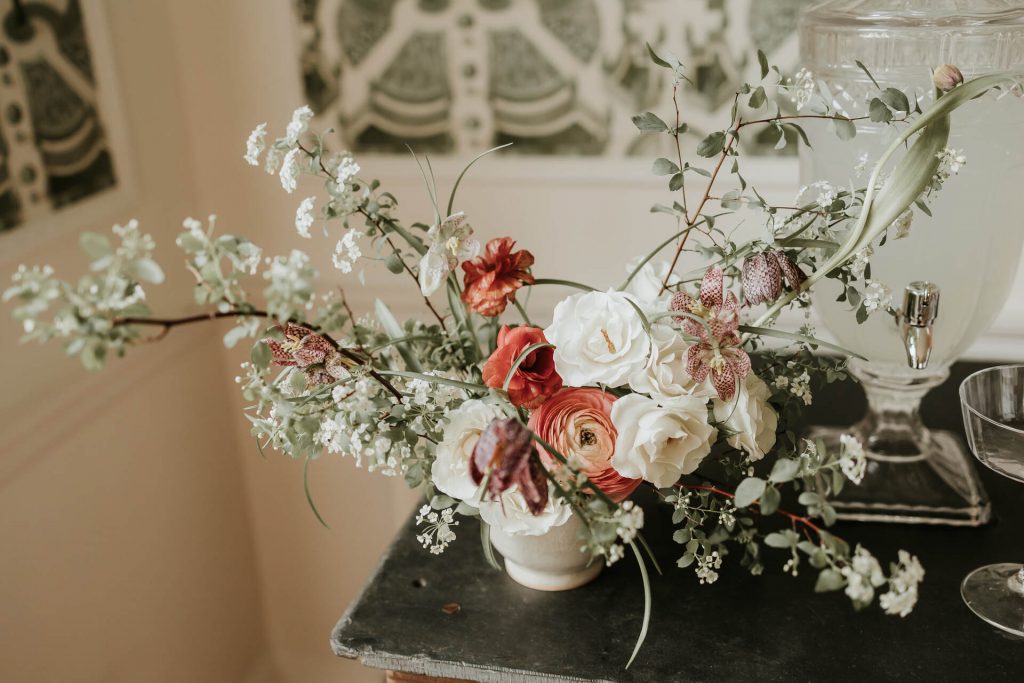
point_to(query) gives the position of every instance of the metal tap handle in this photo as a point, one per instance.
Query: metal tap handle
(917, 316)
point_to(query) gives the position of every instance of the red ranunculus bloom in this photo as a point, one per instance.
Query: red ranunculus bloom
(578, 424)
(535, 379)
(491, 280)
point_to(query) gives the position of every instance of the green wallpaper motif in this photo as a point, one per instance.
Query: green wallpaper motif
(553, 76)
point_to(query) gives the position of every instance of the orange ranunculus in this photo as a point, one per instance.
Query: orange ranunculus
(535, 379)
(491, 280)
(578, 424)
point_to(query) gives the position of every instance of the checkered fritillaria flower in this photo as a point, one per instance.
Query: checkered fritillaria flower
(713, 318)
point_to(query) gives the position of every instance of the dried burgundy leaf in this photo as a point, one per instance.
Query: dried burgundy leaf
(504, 454)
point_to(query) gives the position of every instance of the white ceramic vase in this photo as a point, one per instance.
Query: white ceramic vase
(551, 561)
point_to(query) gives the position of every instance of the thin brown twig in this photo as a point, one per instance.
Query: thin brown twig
(169, 323)
(700, 207)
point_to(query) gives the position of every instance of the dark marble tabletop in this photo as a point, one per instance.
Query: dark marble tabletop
(772, 627)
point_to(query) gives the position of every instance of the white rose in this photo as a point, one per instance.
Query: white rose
(665, 375)
(598, 338)
(450, 471)
(660, 443)
(750, 416)
(646, 285)
(510, 515)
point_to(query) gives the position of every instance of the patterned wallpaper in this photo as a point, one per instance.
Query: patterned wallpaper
(553, 76)
(53, 148)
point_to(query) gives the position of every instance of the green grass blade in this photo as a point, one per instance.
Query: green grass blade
(309, 496)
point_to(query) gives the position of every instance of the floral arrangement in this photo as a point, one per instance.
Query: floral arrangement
(645, 383)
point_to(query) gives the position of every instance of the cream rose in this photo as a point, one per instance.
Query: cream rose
(510, 515)
(750, 416)
(598, 338)
(450, 471)
(646, 285)
(660, 442)
(665, 375)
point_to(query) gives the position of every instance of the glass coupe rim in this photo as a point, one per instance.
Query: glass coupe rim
(967, 406)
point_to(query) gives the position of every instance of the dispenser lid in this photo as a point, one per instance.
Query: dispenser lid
(976, 35)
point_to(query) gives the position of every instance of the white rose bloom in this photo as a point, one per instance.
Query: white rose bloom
(646, 285)
(511, 516)
(598, 338)
(750, 415)
(665, 375)
(660, 443)
(450, 471)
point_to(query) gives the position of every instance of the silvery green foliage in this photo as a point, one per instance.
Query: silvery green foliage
(84, 315)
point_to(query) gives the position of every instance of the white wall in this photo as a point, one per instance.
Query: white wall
(127, 551)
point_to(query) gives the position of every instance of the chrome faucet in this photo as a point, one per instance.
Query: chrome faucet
(916, 317)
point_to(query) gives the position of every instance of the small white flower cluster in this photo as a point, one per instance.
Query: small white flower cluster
(290, 284)
(902, 224)
(852, 460)
(347, 251)
(801, 88)
(950, 162)
(284, 156)
(876, 296)
(356, 428)
(706, 567)
(627, 520)
(903, 582)
(438, 531)
(863, 575)
(862, 165)
(860, 261)
(204, 248)
(304, 217)
(37, 289)
(798, 385)
(823, 192)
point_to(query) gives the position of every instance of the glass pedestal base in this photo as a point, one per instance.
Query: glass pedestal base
(995, 593)
(939, 485)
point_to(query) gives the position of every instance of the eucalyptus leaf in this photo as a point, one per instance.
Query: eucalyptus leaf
(96, 246)
(394, 330)
(712, 144)
(260, 355)
(829, 580)
(778, 540)
(749, 490)
(663, 166)
(845, 128)
(784, 470)
(147, 270)
(649, 122)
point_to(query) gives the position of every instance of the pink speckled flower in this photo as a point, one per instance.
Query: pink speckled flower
(314, 353)
(714, 319)
(763, 274)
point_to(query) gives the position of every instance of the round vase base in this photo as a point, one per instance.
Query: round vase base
(994, 593)
(552, 581)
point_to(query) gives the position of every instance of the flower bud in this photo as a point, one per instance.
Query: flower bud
(947, 77)
(761, 278)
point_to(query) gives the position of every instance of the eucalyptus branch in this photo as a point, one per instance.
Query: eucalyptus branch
(796, 519)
